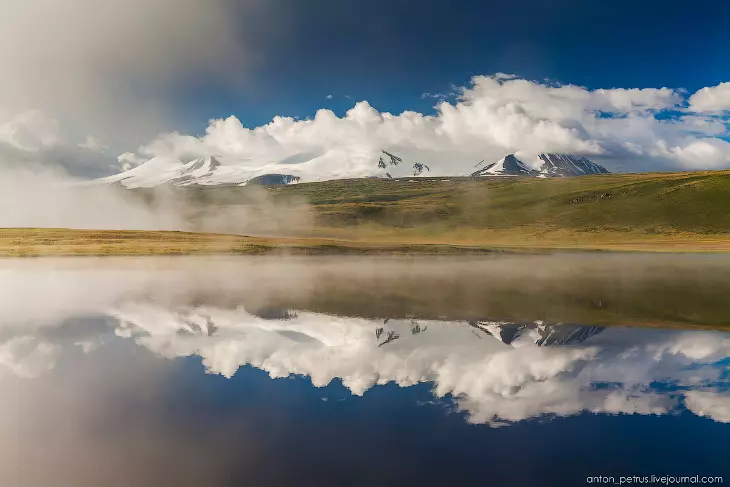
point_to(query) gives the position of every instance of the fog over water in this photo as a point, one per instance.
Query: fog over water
(169, 371)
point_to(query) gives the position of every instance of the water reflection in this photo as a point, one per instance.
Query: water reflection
(100, 368)
(496, 372)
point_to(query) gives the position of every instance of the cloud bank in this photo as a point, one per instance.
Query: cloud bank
(625, 129)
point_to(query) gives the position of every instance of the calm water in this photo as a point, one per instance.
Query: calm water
(523, 371)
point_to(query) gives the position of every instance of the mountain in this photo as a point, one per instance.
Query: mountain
(565, 165)
(203, 171)
(541, 333)
(507, 166)
(553, 165)
(273, 179)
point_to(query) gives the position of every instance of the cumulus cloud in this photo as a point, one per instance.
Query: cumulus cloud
(711, 98)
(626, 129)
(710, 404)
(491, 382)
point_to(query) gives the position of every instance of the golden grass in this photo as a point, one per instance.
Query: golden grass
(21, 242)
(17, 242)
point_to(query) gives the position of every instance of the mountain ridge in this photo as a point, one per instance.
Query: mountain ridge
(330, 165)
(552, 165)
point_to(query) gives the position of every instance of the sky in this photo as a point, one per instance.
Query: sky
(92, 88)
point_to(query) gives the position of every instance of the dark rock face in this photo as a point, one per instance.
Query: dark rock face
(553, 165)
(565, 165)
(507, 166)
(274, 179)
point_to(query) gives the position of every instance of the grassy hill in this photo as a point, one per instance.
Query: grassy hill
(633, 210)
(648, 212)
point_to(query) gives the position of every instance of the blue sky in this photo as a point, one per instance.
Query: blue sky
(390, 52)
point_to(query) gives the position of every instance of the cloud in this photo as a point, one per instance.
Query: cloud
(93, 144)
(709, 404)
(113, 68)
(649, 370)
(625, 129)
(30, 131)
(27, 356)
(329, 97)
(711, 98)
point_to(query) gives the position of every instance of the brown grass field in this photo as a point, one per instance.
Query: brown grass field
(29, 242)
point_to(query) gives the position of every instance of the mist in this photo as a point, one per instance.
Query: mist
(104, 67)
(36, 197)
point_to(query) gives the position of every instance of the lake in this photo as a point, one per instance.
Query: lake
(502, 370)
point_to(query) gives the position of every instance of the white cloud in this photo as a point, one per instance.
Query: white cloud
(493, 116)
(711, 98)
(93, 144)
(492, 382)
(30, 131)
(27, 356)
(129, 160)
(709, 404)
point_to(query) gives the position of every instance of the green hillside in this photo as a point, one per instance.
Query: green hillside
(688, 202)
(587, 211)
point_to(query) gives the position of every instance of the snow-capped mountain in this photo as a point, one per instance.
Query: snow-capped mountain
(204, 171)
(564, 165)
(272, 179)
(552, 165)
(540, 333)
(507, 166)
(226, 170)
(330, 164)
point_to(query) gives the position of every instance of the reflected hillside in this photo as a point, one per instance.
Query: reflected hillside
(595, 289)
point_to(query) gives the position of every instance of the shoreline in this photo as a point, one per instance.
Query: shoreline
(41, 242)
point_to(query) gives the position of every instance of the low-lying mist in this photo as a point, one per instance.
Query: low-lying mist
(43, 198)
(592, 289)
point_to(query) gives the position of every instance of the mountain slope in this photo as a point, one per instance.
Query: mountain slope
(507, 166)
(274, 179)
(566, 165)
(540, 333)
(225, 171)
(161, 170)
(552, 165)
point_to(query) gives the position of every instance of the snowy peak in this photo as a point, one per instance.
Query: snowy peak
(552, 165)
(566, 165)
(202, 171)
(200, 168)
(540, 333)
(507, 166)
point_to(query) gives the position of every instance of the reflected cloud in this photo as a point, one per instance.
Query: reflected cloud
(229, 314)
(495, 372)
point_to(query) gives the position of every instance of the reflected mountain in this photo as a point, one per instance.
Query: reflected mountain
(540, 333)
